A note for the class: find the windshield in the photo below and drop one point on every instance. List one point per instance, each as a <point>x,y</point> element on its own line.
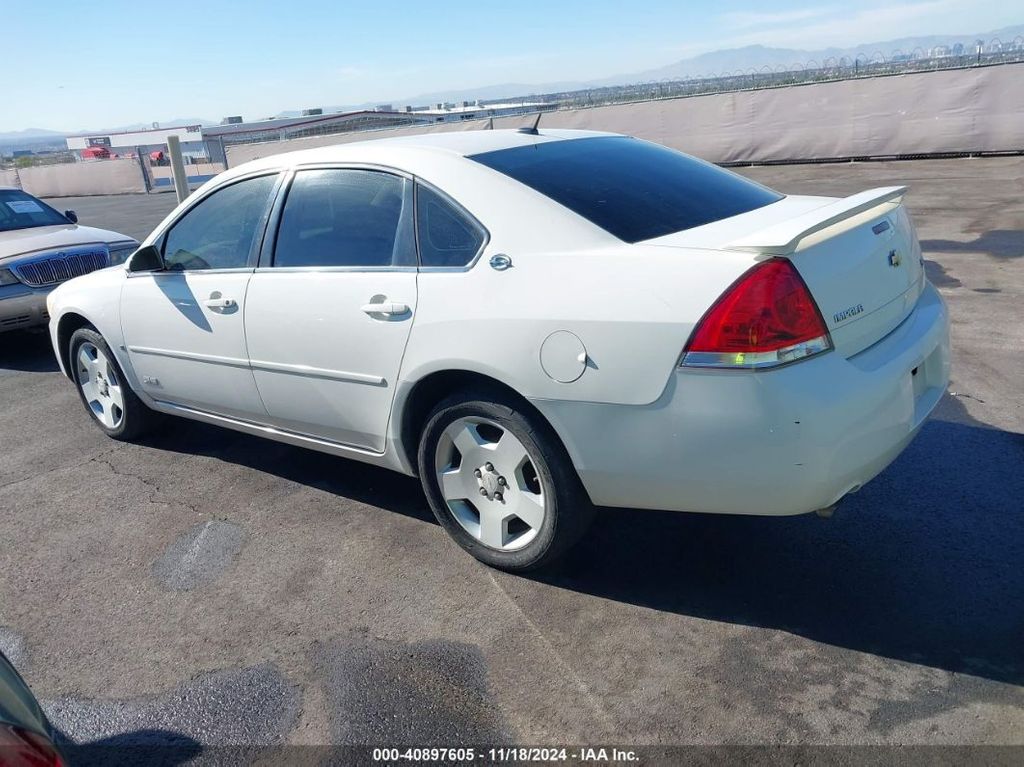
<point>19,210</point>
<point>632,189</point>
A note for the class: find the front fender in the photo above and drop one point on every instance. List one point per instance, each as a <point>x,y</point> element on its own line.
<point>96,299</point>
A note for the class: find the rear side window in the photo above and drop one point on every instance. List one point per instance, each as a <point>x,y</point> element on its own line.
<point>346,217</point>
<point>632,189</point>
<point>446,236</point>
<point>220,231</point>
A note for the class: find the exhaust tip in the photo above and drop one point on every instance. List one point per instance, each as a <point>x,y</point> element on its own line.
<point>829,510</point>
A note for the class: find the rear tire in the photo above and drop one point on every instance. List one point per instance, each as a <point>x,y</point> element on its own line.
<point>104,389</point>
<point>500,482</point>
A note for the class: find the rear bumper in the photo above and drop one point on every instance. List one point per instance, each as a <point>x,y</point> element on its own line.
<point>779,442</point>
<point>22,307</point>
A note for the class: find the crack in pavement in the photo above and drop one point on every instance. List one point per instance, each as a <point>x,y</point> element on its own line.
<point>600,712</point>
<point>56,469</point>
<point>155,488</point>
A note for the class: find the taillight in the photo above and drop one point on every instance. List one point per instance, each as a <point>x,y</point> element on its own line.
<point>766,318</point>
<point>21,748</point>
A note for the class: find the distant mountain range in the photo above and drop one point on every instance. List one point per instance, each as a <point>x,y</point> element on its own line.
<point>706,64</point>
<point>719,62</point>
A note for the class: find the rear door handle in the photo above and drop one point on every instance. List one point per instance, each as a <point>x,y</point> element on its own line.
<point>390,308</point>
<point>220,303</point>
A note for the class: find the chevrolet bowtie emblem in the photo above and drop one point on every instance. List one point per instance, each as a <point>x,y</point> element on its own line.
<point>894,258</point>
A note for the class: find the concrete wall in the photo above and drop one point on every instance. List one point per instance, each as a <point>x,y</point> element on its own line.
<point>964,110</point>
<point>9,178</point>
<point>83,178</point>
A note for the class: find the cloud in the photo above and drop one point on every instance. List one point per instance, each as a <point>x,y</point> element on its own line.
<point>864,25</point>
<point>747,19</point>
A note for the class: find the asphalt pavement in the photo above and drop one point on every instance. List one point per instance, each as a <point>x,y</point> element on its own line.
<point>209,588</point>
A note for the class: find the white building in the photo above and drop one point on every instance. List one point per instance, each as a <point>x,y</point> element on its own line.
<point>144,141</point>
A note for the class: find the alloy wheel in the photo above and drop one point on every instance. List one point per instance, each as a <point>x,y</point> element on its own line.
<point>100,385</point>
<point>490,483</point>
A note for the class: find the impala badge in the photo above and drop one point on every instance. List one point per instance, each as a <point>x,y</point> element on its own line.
<point>846,314</point>
<point>894,259</point>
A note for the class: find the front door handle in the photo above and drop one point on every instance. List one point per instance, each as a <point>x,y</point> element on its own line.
<point>217,301</point>
<point>389,308</point>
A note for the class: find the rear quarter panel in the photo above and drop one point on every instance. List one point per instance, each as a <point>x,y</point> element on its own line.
<point>633,307</point>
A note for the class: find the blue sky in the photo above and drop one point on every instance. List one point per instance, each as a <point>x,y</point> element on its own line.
<point>73,66</point>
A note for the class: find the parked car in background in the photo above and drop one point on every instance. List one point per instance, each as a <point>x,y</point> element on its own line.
<point>27,739</point>
<point>41,248</point>
<point>532,323</point>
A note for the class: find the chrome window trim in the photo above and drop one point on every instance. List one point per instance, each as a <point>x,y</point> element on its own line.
<point>182,272</point>
<point>194,199</point>
<point>461,209</point>
<point>159,236</point>
<point>265,250</point>
<point>341,165</point>
<point>269,245</point>
<point>331,269</point>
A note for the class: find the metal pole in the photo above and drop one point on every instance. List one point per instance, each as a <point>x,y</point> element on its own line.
<point>143,169</point>
<point>177,167</point>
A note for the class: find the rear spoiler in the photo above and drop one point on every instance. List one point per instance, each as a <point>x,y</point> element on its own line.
<point>780,239</point>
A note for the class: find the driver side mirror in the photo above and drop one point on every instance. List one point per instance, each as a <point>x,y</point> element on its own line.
<point>71,216</point>
<point>146,259</point>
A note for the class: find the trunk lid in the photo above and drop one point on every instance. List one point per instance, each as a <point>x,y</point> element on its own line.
<point>866,277</point>
<point>859,257</point>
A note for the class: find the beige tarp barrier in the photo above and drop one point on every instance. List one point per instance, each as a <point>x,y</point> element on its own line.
<point>9,178</point>
<point>962,110</point>
<point>122,176</point>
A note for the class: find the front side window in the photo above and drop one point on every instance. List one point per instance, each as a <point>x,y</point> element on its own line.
<point>346,217</point>
<point>632,189</point>
<point>446,236</point>
<point>19,210</point>
<point>221,231</point>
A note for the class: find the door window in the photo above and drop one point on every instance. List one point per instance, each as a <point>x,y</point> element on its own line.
<point>446,236</point>
<point>346,217</point>
<point>221,231</point>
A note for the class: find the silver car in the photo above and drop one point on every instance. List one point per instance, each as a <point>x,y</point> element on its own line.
<point>41,248</point>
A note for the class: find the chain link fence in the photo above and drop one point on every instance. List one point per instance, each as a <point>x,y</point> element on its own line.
<point>877,64</point>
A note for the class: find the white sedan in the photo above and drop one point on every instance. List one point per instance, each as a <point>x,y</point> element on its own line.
<point>532,323</point>
<point>41,248</point>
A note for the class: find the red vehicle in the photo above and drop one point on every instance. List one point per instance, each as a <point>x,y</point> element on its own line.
<point>96,153</point>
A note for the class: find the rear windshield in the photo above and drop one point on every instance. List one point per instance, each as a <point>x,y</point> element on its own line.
<point>632,189</point>
<point>19,210</point>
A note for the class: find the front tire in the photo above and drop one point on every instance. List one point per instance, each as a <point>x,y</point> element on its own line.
<point>499,481</point>
<point>104,389</point>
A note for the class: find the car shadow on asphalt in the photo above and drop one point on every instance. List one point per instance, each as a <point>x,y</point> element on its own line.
<point>998,243</point>
<point>922,565</point>
<point>27,351</point>
<point>344,478</point>
<point>144,747</point>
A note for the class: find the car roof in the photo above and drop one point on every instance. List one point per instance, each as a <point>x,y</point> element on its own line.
<point>439,159</point>
<point>457,143</point>
<point>470,142</point>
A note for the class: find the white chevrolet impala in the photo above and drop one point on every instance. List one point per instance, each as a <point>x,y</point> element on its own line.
<point>533,323</point>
